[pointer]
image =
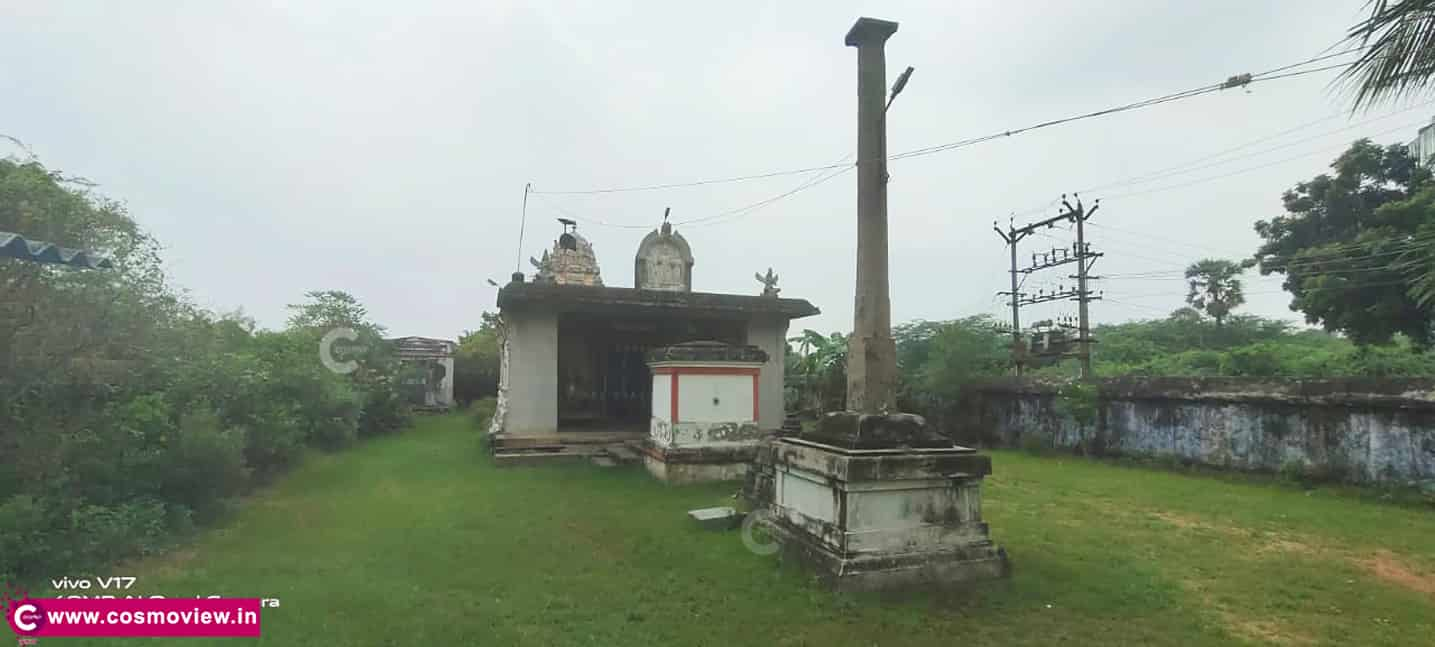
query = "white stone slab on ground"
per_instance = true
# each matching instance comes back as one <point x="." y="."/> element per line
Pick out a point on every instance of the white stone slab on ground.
<point x="719" y="518"/>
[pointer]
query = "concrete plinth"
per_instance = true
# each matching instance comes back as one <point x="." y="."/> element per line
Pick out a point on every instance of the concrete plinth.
<point x="697" y="464"/>
<point x="706" y="411"/>
<point x="875" y="519"/>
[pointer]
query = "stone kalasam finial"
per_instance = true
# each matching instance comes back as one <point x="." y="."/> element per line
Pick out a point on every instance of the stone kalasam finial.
<point x="769" y="283"/>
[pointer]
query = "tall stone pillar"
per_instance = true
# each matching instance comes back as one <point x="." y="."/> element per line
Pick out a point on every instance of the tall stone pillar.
<point x="872" y="498"/>
<point x="871" y="353"/>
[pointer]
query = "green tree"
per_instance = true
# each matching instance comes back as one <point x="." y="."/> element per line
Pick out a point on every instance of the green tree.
<point x="822" y="365"/>
<point x="961" y="351"/>
<point x="476" y="362"/>
<point x="1399" y="51"/>
<point x="328" y="309"/>
<point x="1417" y="262"/>
<point x="1215" y="287"/>
<point x="1336" y="246"/>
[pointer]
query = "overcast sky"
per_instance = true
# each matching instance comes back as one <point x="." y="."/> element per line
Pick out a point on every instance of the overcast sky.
<point x="382" y="148"/>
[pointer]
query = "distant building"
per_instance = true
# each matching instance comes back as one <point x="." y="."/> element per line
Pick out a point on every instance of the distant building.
<point x="1422" y="148"/>
<point x="428" y="378"/>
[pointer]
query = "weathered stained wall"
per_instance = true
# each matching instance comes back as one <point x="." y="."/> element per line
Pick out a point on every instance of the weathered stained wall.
<point x="770" y="334"/>
<point x="530" y="375"/>
<point x="443" y="395"/>
<point x="1363" y="430"/>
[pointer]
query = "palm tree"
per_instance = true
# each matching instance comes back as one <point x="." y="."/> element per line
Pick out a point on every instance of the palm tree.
<point x="1215" y="287"/>
<point x="822" y="360"/>
<point x="1399" y="59"/>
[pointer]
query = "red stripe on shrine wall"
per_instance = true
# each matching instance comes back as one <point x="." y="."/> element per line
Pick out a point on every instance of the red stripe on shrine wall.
<point x="674" y="380"/>
<point x="754" y="397"/>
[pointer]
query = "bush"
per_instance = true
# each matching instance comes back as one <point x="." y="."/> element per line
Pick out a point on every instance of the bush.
<point x="1256" y="360"/>
<point x="203" y="465"/>
<point x="482" y="410"/>
<point x="334" y="416"/>
<point x="104" y="535"/>
<point x="23" y="533"/>
<point x="1081" y="401"/>
<point x="384" y="411"/>
<point x="129" y="411"/>
<point x="273" y="441"/>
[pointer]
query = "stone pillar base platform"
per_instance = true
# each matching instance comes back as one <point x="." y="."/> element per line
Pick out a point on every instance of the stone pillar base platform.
<point x="866" y="517"/>
<point x="697" y="464"/>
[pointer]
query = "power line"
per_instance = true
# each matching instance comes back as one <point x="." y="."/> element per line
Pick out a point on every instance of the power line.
<point x="522" y="224"/>
<point x="749" y="209"/>
<point x="1136" y="305"/>
<point x="1332" y="253"/>
<point x="1189" y="168"/>
<point x="679" y="185"/>
<point x="1241" y="80"/>
<point x="1314" y="288"/>
<point x="1298" y="264"/>
<point x="1134" y="234"/>
<point x="557" y="208"/>
<point x="1190" y="165"/>
<point x="1254" y="168"/>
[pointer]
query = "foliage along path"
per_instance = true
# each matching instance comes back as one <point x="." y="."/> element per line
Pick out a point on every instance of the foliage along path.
<point x="416" y="539"/>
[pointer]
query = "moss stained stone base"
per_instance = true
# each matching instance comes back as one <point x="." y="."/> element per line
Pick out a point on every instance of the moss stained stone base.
<point x="697" y="464"/>
<point x="875" y="519"/>
<point x="952" y="568"/>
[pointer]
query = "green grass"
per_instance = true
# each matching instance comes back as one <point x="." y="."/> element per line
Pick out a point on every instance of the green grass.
<point x="418" y="539"/>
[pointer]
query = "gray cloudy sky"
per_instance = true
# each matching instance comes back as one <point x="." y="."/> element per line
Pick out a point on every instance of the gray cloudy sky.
<point x="382" y="149"/>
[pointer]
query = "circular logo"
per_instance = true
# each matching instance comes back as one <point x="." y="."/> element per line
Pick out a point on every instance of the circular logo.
<point x="755" y="535"/>
<point x="326" y="350"/>
<point x="26" y="617"/>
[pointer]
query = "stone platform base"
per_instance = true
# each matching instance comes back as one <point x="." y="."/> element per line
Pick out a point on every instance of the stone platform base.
<point x="696" y="465"/>
<point x="944" y="569"/>
<point x="870" y="519"/>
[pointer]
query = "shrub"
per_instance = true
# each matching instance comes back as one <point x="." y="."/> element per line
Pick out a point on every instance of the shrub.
<point x="104" y="535"/>
<point x="1034" y="443"/>
<point x="334" y="416"/>
<point x="1081" y="401"/>
<point x="23" y="532"/>
<point x="1255" y="360"/>
<point x="273" y="440"/>
<point x="482" y="410"/>
<point x="203" y="464"/>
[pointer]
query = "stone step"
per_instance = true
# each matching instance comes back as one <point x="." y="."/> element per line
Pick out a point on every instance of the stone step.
<point x="511" y="458"/>
<point x="623" y="453"/>
<point x="565" y="439"/>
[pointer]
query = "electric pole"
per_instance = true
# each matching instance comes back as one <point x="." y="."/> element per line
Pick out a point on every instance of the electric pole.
<point x="1079" y="254"/>
<point x="1079" y="215"/>
<point x="1011" y="236"/>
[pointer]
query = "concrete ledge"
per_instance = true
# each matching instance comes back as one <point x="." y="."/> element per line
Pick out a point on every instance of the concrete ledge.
<point x="954" y="568"/>
<point x="885" y="465"/>
<point x="679" y="473"/>
<point x="700" y="455"/>
<point x="856" y="430"/>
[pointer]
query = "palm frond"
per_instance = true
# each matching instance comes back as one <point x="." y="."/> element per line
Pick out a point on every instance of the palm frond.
<point x="1399" y="57"/>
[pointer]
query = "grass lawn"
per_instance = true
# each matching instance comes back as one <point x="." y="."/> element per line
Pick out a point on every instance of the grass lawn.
<point x="418" y="540"/>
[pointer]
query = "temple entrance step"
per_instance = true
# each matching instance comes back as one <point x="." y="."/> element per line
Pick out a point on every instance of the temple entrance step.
<point x="622" y="453"/>
<point x="540" y="455"/>
<point x="566" y="439"/>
